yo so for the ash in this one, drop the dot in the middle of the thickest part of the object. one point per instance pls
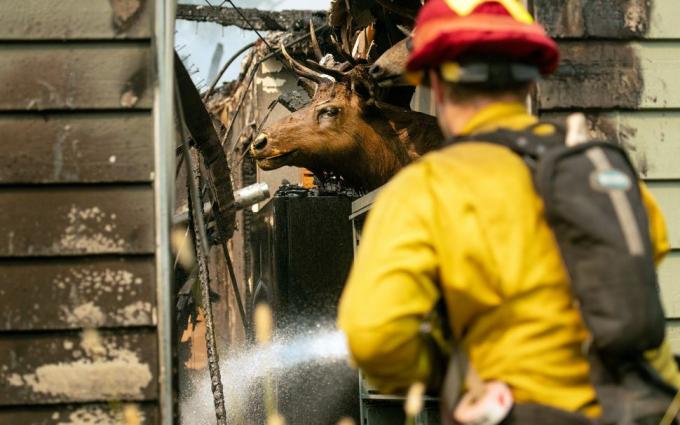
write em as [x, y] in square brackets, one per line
[304, 365]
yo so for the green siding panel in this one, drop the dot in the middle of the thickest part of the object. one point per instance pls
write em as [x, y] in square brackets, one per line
[664, 19]
[673, 335]
[669, 273]
[667, 195]
[652, 138]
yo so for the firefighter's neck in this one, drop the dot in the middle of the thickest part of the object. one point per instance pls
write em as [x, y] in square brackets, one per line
[454, 115]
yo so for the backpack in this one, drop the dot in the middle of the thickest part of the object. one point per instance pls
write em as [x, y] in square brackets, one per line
[594, 206]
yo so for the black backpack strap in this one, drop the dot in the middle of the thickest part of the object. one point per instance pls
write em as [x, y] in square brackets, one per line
[527, 143]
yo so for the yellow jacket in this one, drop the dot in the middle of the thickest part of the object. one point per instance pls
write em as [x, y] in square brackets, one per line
[467, 216]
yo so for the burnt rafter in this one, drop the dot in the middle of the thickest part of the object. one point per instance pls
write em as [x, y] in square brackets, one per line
[261, 20]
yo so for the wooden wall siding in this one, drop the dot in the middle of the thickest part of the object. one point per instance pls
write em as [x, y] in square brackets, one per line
[652, 138]
[673, 334]
[76, 147]
[78, 367]
[51, 221]
[619, 19]
[668, 279]
[610, 74]
[90, 414]
[75, 19]
[73, 293]
[621, 61]
[667, 195]
[77, 231]
[75, 76]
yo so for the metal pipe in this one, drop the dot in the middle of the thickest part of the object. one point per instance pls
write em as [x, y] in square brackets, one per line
[251, 195]
[164, 189]
[243, 198]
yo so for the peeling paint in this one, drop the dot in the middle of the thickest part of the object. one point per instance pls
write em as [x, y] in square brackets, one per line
[92, 415]
[125, 13]
[91, 343]
[138, 313]
[83, 236]
[128, 99]
[15, 380]
[87, 314]
[119, 375]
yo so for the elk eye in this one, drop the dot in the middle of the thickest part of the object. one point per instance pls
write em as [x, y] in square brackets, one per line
[330, 112]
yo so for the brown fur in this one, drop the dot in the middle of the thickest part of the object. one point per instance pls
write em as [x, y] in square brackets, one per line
[366, 145]
[388, 69]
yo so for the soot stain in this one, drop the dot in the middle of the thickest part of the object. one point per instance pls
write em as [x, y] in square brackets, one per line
[622, 19]
[594, 75]
[604, 128]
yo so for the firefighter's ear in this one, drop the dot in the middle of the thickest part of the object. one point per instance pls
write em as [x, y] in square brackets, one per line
[437, 87]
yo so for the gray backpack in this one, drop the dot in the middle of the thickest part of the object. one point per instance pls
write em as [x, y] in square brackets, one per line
[594, 206]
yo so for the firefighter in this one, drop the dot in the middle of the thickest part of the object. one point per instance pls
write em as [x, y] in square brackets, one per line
[465, 224]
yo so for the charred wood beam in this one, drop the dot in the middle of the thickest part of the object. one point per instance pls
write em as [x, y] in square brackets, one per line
[262, 20]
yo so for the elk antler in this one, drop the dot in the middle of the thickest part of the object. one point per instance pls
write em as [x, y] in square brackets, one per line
[304, 71]
[339, 72]
[315, 42]
[346, 55]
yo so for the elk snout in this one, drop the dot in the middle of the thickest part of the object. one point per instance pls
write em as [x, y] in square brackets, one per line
[259, 143]
[376, 71]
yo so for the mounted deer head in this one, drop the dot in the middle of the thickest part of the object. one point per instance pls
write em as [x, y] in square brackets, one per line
[341, 131]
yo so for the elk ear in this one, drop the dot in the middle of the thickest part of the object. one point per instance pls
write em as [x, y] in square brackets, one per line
[362, 88]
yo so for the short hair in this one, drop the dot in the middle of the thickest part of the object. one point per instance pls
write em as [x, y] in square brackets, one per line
[466, 92]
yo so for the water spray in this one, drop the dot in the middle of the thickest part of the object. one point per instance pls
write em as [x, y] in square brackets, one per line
[414, 402]
[264, 323]
[242, 371]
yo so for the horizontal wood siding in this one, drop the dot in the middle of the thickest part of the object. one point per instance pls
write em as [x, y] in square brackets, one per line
[75, 76]
[620, 63]
[668, 279]
[664, 23]
[87, 414]
[613, 74]
[75, 19]
[73, 293]
[667, 194]
[652, 138]
[617, 19]
[76, 147]
[78, 337]
[78, 367]
[673, 334]
[58, 221]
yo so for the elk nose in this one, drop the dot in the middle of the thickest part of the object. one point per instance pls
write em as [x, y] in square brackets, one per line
[375, 70]
[260, 142]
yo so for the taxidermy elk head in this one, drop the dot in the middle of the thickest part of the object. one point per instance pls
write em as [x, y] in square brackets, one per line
[343, 130]
[388, 69]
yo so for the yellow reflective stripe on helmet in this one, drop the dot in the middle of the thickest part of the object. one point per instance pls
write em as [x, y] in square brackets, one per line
[450, 71]
[514, 8]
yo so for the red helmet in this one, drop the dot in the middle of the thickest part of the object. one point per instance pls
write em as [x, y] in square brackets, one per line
[502, 30]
